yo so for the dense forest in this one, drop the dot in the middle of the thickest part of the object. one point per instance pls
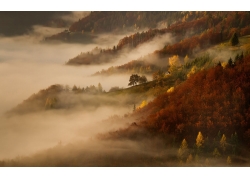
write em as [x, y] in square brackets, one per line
[186, 103]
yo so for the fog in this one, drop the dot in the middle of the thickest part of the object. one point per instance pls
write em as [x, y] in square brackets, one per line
[28, 65]
[27, 134]
[75, 16]
[145, 49]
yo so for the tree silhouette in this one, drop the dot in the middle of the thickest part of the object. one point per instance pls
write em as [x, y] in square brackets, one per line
[133, 80]
[100, 88]
[142, 79]
[234, 40]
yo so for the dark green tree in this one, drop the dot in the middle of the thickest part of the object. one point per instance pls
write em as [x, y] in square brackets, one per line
[230, 62]
[234, 40]
[143, 79]
[133, 80]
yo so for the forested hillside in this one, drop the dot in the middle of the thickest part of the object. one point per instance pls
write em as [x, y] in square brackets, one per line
[173, 91]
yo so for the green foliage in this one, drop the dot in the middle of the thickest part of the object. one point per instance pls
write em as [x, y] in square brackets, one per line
[199, 62]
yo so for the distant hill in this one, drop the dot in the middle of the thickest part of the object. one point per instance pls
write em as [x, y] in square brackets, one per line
[194, 32]
[20, 22]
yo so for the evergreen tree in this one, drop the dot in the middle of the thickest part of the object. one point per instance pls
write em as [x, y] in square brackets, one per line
[99, 88]
[234, 142]
[216, 153]
[234, 40]
[230, 62]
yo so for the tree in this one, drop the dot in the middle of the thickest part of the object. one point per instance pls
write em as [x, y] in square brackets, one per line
[199, 141]
[74, 88]
[234, 142]
[223, 142]
[183, 150]
[51, 103]
[133, 80]
[142, 79]
[174, 62]
[99, 88]
[158, 75]
[229, 161]
[230, 62]
[216, 153]
[234, 40]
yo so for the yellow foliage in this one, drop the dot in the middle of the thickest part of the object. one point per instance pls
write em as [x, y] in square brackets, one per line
[192, 71]
[170, 90]
[143, 103]
[186, 59]
[229, 161]
[199, 140]
[223, 64]
[174, 61]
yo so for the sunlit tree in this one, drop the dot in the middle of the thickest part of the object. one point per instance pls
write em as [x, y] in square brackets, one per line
[199, 141]
[223, 142]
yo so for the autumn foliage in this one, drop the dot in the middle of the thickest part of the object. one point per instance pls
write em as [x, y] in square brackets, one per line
[209, 101]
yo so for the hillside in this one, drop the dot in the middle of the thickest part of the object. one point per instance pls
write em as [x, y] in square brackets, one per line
[174, 92]
[203, 122]
[194, 33]
[21, 22]
[117, 22]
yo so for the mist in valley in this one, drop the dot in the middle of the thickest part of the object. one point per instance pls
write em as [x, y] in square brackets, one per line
[87, 129]
[28, 65]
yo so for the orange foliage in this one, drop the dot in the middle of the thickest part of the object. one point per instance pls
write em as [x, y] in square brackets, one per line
[209, 101]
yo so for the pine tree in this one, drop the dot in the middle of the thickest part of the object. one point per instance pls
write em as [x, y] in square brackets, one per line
[230, 62]
[99, 88]
[216, 153]
[234, 40]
